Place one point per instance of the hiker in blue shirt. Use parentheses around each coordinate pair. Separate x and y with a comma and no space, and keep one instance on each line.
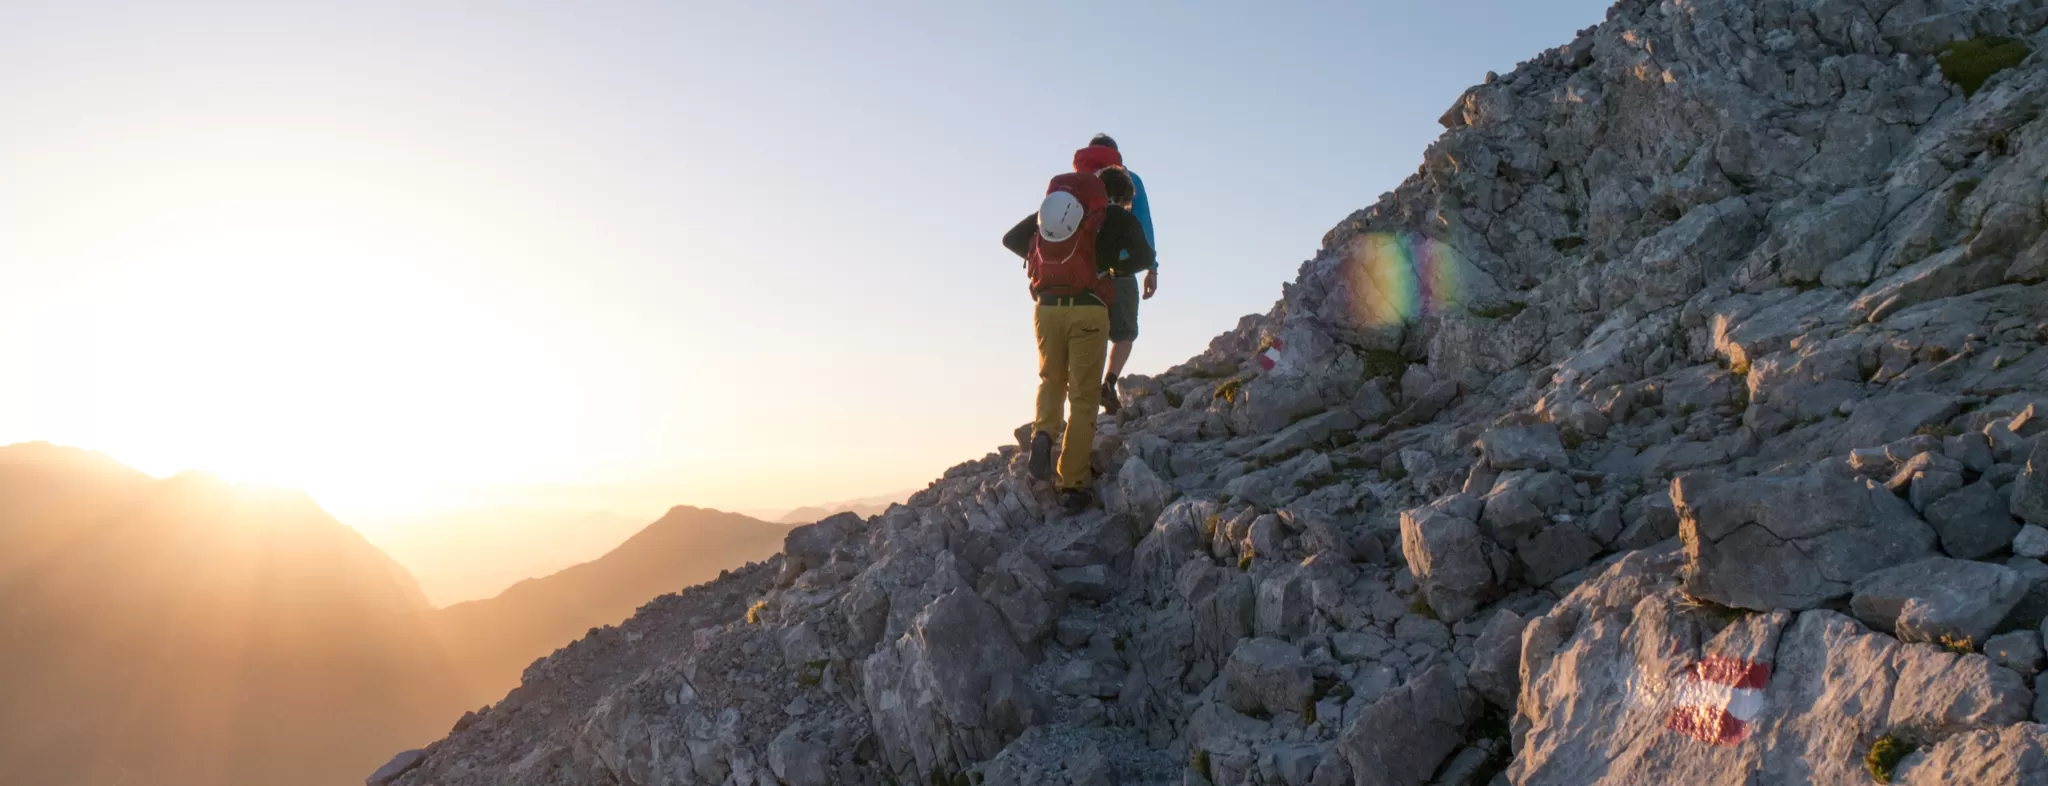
(1101,153)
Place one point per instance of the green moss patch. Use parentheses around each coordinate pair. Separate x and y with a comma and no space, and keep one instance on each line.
(1384,363)
(1884,757)
(1971,63)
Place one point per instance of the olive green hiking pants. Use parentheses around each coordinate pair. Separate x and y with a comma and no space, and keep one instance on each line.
(1073,342)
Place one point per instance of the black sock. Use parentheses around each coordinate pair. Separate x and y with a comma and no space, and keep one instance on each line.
(1110,379)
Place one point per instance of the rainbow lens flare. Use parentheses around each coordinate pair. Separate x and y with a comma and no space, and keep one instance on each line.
(1399,277)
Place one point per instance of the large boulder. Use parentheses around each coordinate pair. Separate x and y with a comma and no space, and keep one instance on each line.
(1938,598)
(1522,502)
(1884,419)
(1283,606)
(1267,677)
(799,758)
(1523,447)
(1456,567)
(1972,521)
(1271,402)
(1556,550)
(1137,492)
(1401,739)
(949,692)
(1791,542)
(2009,756)
(1024,594)
(1497,660)
(811,545)
(1949,273)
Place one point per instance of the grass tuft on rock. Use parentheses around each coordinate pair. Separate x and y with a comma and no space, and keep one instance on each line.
(1969,64)
(1959,646)
(754,611)
(1723,616)
(1420,605)
(1384,363)
(1229,389)
(1884,756)
(1503,310)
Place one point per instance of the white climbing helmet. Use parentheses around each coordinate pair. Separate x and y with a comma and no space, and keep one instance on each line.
(1059,216)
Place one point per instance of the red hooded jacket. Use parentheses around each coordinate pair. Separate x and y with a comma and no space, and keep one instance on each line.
(1096,157)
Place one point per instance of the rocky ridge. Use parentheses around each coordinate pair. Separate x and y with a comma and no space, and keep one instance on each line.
(1681,420)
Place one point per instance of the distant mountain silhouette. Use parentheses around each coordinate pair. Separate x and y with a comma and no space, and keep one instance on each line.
(472,554)
(863,507)
(188,632)
(496,639)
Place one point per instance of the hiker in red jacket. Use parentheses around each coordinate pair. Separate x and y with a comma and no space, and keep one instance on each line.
(1101,153)
(1074,246)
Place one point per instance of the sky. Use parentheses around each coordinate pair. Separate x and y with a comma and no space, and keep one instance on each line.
(623,255)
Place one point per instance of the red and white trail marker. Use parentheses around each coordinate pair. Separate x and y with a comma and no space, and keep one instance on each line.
(1718,698)
(1269,358)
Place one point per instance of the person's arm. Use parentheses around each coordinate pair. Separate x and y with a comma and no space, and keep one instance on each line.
(1018,239)
(1122,244)
(1142,208)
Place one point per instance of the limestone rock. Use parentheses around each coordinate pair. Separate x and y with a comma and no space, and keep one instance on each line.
(1521,502)
(2009,756)
(2030,490)
(1887,418)
(399,765)
(1938,598)
(1283,606)
(1523,447)
(1972,522)
(2031,541)
(1456,567)
(1024,595)
(1791,542)
(799,759)
(2019,650)
(1555,550)
(811,545)
(1402,738)
(1952,272)
(1497,660)
(1267,676)
(1137,492)
(946,678)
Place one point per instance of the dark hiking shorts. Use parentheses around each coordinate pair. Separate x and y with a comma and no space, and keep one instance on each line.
(1123,314)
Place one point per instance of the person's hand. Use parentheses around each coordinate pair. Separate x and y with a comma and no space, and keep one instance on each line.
(1151,282)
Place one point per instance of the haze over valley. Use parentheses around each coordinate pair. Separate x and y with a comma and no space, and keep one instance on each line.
(190,631)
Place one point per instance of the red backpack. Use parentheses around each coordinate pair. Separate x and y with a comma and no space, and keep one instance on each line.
(1067,266)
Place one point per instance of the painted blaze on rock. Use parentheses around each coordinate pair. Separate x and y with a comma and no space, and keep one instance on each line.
(1718,698)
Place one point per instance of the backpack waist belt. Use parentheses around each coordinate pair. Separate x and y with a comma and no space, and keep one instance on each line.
(1083,299)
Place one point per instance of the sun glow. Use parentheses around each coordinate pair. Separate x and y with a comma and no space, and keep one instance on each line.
(295,345)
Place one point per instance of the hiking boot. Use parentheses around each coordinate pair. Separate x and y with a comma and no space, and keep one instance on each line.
(1073,501)
(1110,404)
(1041,456)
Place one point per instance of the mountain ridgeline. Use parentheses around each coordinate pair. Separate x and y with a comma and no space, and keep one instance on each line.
(187,632)
(1681,420)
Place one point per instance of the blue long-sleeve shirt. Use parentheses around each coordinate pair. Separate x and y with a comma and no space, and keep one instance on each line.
(1142,208)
